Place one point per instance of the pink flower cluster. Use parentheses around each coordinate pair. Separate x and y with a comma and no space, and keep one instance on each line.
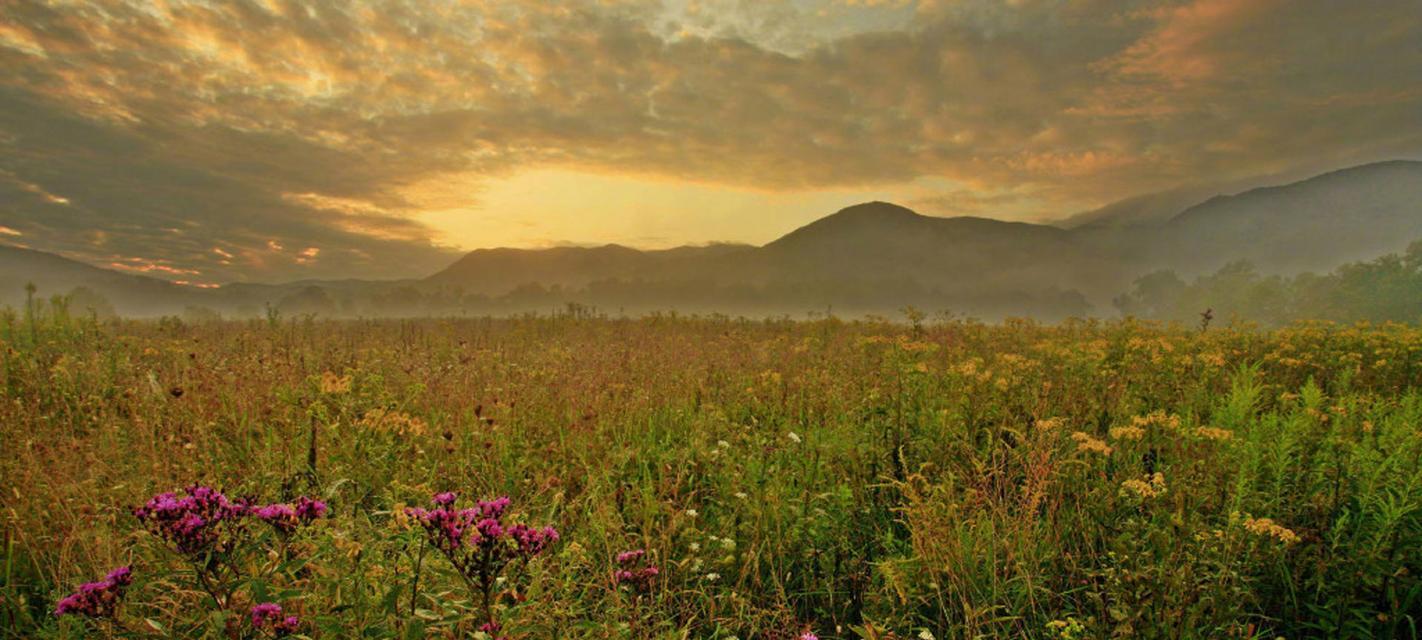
(481,526)
(194,522)
(285,518)
(190,522)
(97,599)
(268,615)
(532,541)
(479,545)
(634,571)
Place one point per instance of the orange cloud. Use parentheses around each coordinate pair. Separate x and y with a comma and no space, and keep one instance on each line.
(143,265)
(366,129)
(1180,50)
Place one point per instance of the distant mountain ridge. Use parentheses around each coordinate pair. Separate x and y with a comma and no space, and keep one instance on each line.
(1340,216)
(949,253)
(131,294)
(878,256)
(489,270)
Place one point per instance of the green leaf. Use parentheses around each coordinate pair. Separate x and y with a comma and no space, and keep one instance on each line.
(391,602)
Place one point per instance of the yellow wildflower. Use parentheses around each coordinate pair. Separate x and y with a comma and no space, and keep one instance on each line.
(1156,419)
(1050,424)
(334,384)
(1084,442)
(1214,433)
(1127,433)
(1151,487)
(393,421)
(1267,527)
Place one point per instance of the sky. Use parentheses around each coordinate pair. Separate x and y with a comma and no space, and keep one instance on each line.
(268,140)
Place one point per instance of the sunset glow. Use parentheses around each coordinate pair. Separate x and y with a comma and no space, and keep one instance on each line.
(358,139)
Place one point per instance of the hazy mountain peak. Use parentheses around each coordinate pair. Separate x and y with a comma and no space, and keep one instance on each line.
(875,209)
(865,256)
(1341,216)
(1393,185)
(857,222)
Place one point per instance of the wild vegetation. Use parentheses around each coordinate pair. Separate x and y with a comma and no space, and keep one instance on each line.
(1388,289)
(675,477)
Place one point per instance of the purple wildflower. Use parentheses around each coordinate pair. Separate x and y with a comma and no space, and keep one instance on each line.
(494,508)
(445,525)
(265,612)
(190,522)
(122,576)
(628,557)
(489,531)
(808,636)
(280,516)
(286,518)
(635,573)
(478,542)
(531,541)
(268,615)
(308,509)
(97,599)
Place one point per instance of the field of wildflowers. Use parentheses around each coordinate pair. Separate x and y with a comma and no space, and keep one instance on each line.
(671,477)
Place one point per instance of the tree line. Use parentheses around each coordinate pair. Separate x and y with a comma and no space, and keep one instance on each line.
(1388,289)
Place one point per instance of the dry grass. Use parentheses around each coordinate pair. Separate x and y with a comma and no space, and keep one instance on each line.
(857,479)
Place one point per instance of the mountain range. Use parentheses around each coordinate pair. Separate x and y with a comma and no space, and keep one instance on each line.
(868,258)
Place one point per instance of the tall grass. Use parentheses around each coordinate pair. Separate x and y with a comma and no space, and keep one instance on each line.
(857,479)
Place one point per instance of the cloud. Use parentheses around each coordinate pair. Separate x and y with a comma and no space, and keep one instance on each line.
(1182,48)
(200,135)
(972,202)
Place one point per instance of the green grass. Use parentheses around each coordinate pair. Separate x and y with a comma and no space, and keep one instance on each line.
(855,479)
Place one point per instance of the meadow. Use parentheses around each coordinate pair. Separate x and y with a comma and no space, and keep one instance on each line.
(842,479)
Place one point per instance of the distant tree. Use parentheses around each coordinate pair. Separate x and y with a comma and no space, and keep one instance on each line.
(1382,290)
(308,300)
(86,301)
(1154,295)
(197,314)
(400,301)
(530,295)
(1389,288)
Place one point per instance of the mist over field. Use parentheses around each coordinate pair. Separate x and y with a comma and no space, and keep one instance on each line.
(710,319)
(1340,246)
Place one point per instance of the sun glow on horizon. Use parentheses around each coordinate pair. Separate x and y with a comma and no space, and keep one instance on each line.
(388,137)
(552,206)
